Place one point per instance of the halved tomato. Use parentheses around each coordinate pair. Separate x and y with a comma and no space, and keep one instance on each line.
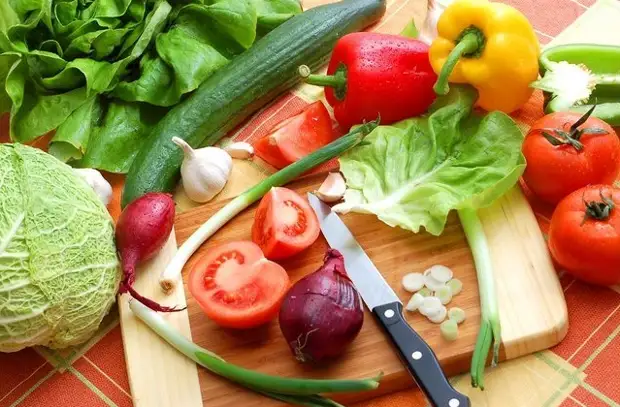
(297,136)
(284,224)
(237,287)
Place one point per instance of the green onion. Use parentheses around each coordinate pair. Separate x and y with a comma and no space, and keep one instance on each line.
(490,329)
(171,275)
(303,392)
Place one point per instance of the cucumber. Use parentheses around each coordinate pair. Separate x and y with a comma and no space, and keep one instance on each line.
(249,82)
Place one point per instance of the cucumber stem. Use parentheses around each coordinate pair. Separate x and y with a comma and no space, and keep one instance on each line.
(490,328)
(469,43)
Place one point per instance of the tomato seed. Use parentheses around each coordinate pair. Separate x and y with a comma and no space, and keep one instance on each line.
(300,226)
(209,282)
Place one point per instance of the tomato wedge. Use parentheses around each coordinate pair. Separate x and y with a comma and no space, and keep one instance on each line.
(297,136)
(284,224)
(237,287)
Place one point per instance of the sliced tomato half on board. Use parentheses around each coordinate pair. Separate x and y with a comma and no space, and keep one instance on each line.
(297,136)
(284,224)
(237,287)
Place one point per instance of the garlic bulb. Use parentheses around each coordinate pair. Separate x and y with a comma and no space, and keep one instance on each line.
(100,185)
(240,150)
(204,171)
(435,9)
(332,189)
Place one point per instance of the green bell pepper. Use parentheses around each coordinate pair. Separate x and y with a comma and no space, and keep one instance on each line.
(576,77)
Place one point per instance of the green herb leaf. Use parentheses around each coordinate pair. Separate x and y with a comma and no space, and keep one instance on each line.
(410,30)
(418,170)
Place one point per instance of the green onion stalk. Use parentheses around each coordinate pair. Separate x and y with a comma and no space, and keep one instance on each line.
(490,329)
(172,274)
(303,392)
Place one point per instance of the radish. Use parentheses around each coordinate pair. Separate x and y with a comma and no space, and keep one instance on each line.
(141,231)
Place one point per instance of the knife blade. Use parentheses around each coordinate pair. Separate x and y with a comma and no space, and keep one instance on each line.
(382,301)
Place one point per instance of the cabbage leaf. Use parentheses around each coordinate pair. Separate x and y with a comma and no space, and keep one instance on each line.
(59,272)
(413,173)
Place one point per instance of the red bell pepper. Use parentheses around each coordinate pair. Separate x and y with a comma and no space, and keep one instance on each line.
(372,74)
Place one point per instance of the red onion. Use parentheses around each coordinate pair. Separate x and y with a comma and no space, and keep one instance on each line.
(322,313)
(141,231)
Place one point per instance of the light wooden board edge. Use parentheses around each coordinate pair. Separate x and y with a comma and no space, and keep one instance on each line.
(540,319)
(158,374)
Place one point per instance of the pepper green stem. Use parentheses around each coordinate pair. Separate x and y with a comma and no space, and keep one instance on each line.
(469,43)
(606,79)
(333,81)
(337,81)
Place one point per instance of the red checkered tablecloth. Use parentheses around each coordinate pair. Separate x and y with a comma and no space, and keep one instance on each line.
(584,370)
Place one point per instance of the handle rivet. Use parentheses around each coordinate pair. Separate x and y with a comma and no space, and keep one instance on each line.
(417,355)
(454,403)
(389,313)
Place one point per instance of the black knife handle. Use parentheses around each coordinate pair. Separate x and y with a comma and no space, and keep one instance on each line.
(419,358)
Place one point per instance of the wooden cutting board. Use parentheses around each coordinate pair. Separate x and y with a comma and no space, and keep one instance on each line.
(533,312)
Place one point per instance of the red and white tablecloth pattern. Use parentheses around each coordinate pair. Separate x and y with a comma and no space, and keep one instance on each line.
(584,370)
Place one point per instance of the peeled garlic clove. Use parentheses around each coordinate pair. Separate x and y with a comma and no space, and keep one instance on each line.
(240,150)
(413,282)
(332,189)
(95,180)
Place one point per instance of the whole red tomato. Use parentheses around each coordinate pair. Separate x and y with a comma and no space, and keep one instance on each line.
(584,237)
(566,151)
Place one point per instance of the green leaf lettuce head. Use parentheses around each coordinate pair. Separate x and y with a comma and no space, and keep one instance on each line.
(63,63)
(413,173)
(59,272)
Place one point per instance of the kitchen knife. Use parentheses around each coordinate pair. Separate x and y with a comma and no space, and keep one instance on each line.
(382,301)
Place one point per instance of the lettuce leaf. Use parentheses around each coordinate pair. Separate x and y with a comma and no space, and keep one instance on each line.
(63,63)
(413,173)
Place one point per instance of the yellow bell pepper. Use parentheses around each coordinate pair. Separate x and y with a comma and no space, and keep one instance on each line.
(490,46)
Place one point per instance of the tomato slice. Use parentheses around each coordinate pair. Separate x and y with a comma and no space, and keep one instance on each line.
(284,224)
(297,136)
(237,287)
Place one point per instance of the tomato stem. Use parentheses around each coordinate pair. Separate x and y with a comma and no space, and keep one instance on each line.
(599,210)
(562,138)
(573,136)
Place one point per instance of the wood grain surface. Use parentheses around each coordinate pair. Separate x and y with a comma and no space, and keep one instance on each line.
(533,312)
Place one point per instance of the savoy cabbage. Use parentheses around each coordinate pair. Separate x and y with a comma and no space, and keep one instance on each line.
(59,270)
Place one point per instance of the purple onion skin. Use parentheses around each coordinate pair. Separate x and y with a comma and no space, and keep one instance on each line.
(322,313)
